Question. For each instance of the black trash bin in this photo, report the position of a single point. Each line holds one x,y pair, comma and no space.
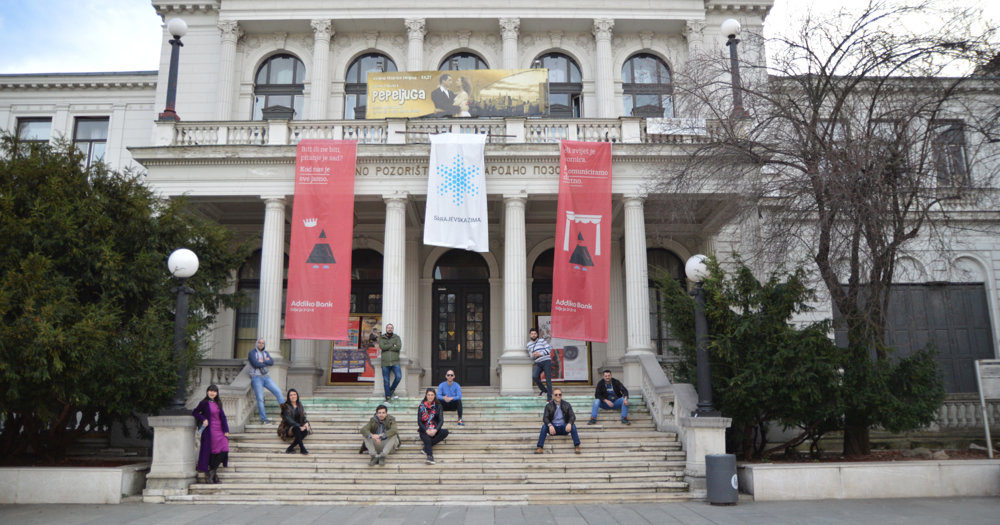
720,479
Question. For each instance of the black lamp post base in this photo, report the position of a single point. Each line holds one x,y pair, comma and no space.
169,115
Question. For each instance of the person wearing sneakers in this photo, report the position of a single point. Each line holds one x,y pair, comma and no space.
611,394
294,425
542,353
430,423
380,435
259,361
450,395
390,344
558,420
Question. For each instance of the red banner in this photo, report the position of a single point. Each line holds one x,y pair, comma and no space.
581,280
319,260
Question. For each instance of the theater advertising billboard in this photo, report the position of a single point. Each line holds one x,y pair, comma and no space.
473,93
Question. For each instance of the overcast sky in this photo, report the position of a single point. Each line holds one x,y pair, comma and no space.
45,36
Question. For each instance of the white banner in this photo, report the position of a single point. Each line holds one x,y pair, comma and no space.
456,193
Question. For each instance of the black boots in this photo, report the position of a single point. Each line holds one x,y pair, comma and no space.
212,476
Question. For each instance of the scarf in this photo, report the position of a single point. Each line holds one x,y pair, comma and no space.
428,414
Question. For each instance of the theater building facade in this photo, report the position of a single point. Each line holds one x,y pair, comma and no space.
610,68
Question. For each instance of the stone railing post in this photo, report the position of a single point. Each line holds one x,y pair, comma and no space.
174,458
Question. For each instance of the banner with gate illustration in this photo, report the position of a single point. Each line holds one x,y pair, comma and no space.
581,280
319,259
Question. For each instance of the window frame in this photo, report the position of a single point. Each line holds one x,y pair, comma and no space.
461,54
89,154
573,89
359,90
951,167
21,121
267,91
632,90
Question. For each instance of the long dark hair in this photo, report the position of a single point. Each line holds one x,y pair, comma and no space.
287,405
436,401
218,398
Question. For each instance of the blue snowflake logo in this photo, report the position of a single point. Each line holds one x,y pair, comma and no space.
458,181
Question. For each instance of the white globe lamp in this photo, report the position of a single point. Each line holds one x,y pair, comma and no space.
183,263
696,269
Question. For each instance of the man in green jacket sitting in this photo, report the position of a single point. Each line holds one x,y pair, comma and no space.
381,436
390,344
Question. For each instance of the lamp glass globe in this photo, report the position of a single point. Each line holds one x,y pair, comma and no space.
731,27
183,263
177,27
696,269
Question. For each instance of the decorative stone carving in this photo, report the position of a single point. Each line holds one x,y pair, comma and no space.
463,38
491,41
509,27
231,31
556,38
585,42
528,41
281,39
647,39
371,37
361,241
415,27
323,29
602,28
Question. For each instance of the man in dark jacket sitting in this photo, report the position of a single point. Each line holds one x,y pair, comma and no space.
611,394
380,435
558,420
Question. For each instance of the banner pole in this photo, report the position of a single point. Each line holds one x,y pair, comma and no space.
982,405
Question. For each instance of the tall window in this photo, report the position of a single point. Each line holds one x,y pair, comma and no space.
463,62
91,138
366,281
659,260
355,103
647,88
461,265
541,282
565,85
248,316
949,153
278,91
34,129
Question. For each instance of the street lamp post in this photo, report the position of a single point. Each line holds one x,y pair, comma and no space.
697,271
177,28
731,28
183,263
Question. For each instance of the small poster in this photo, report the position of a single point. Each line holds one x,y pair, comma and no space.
371,328
350,359
345,350
570,359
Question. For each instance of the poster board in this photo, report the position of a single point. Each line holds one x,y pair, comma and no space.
467,93
571,360
351,359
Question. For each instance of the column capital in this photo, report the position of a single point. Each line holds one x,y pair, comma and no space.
323,29
633,201
273,202
509,28
602,28
231,30
395,202
517,200
415,28
693,29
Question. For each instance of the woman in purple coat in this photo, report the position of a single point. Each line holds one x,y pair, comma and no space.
214,435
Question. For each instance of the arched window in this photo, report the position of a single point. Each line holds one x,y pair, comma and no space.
461,265
366,281
248,316
565,85
463,62
659,260
356,89
541,282
647,88
278,89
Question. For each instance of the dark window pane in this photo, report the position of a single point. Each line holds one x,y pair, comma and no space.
282,70
461,265
366,265
461,62
34,129
543,265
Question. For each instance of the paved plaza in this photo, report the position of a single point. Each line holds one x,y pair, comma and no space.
882,512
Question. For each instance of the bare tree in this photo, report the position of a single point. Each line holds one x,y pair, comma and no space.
868,135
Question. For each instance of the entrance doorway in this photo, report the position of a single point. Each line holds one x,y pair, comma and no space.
460,334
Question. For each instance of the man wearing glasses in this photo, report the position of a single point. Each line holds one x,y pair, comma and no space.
450,394
558,420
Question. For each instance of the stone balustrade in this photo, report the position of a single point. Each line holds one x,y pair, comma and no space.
963,411
219,372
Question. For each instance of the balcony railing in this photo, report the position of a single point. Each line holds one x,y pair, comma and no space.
626,130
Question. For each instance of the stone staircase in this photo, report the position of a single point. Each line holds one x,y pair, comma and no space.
489,461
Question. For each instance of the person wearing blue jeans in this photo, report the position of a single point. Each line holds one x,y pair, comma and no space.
259,361
611,394
390,345
558,420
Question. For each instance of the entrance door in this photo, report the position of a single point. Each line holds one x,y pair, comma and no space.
461,339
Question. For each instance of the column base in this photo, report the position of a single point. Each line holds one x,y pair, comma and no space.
404,389
515,375
632,369
411,377
304,379
174,458
702,436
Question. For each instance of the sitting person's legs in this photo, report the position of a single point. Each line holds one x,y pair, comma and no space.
455,405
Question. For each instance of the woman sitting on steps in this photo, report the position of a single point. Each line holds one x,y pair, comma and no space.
293,422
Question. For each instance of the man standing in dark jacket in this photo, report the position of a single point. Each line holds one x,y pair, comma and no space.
558,420
611,394
390,344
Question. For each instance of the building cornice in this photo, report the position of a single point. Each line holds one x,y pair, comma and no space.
163,8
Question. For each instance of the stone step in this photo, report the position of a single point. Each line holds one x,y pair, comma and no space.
238,458
622,497
498,429
338,450
462,489
395,464
372,476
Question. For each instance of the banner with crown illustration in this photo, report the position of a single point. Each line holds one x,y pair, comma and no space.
319,259
456,193
581,280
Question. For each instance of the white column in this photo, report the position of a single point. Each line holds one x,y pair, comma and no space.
394,278
636,292
515,362
303,353
303,374
617,338
604,79
320,93
508,30
415,49
272,275
412,317
231,33
695,35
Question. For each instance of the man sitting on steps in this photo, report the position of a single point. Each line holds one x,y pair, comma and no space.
611,394
449,393
381,436
558,420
